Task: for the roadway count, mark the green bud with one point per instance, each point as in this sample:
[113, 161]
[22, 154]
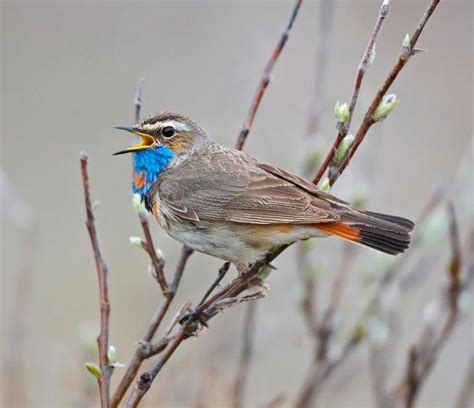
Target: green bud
[406, 44]
[359, 333]
[343, 148]
[388, 104]
[93, 369]
[325, 186]
[138, 205]
[342, 114]
[112, 355]
[136, 241]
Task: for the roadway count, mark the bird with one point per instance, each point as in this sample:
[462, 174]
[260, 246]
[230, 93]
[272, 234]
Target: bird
[225, 203]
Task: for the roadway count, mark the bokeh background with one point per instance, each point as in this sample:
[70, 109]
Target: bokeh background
[69, 70]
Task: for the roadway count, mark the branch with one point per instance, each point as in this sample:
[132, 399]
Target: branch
[363, 66]
[145, 349]
[228, 296]
[158, 264]
[106, 369]
[265, 81]
[322, 366]
[406, 52]
[423, 355]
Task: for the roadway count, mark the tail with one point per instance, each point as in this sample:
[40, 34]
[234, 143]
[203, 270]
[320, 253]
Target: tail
[382, 232]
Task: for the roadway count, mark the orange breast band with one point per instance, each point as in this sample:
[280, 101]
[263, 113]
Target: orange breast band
[139, 179]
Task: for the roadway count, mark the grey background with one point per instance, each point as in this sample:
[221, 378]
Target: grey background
[69, 72]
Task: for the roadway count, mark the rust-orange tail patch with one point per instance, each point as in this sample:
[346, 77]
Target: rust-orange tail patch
[382, 232]
[341, 230]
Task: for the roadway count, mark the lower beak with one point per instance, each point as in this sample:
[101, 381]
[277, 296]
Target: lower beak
[146, 141]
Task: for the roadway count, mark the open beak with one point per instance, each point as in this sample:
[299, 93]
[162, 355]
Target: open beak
[146, 141]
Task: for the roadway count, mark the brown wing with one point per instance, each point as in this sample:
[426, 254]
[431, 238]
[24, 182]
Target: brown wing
[226, 185]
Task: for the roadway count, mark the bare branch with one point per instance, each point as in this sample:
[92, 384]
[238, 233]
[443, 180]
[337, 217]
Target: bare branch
[322, 366]
[142, 351]
[158, 264]
[266, 78]
[193, 323]
[102, 271]
[422, 356]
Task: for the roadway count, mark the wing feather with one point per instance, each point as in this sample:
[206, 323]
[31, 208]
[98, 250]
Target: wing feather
[252, 193]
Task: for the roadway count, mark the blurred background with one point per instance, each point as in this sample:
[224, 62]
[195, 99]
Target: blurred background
[69, 71]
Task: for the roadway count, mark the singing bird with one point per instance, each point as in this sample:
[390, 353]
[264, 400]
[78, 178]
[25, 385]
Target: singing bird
[225, 203]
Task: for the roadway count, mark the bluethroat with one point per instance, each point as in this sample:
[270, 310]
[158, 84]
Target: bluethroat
[225, 203]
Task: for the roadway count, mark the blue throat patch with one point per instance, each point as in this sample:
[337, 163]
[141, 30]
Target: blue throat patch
[147, 166]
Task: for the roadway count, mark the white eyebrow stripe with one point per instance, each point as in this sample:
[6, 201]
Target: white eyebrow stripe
[176, 124]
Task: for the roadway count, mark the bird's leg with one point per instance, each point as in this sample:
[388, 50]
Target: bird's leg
[192, 314]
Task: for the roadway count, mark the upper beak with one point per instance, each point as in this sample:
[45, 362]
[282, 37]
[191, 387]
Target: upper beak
[146, 141]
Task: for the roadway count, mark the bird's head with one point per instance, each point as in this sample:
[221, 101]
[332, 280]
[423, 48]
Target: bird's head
[165, 140]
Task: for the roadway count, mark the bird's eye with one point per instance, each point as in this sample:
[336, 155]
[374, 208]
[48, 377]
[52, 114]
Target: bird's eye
[168, 131]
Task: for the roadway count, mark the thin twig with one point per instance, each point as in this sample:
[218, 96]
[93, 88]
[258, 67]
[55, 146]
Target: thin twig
[141, 352]
[158, 265]
[368, 121]
[363, 66]
[192, 325]
[103, 340]
[266, 78]
[321, 368]
[422, 357]
[245, 356]
[319, 373]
